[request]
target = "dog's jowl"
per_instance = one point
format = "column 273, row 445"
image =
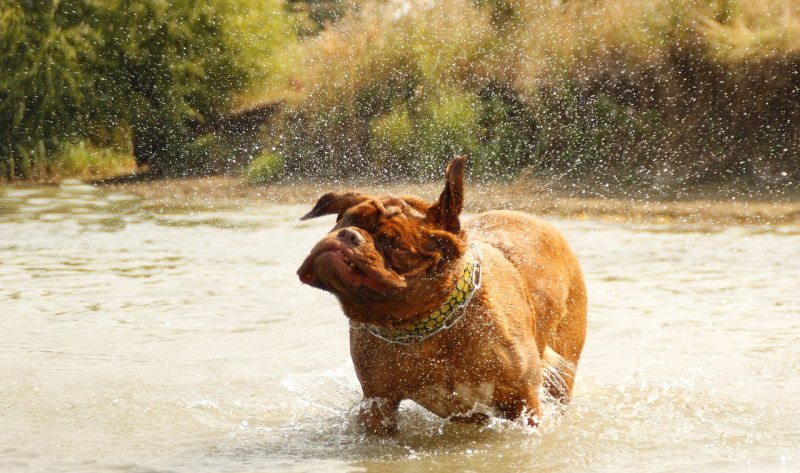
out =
column 465, row 317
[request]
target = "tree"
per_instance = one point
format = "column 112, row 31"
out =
column 85, row 68
column 172, row 65
column 44, row 83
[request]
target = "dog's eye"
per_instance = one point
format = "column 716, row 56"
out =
column 393, row 243
column 396, row 254
column 400, row 249
column 358, row 219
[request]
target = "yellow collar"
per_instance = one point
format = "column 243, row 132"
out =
column 442, row 318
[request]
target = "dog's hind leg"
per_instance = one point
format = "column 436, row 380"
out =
column 561, row 354
column 560, row 333
column 558, row 375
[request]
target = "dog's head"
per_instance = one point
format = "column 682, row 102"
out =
column 388, row 254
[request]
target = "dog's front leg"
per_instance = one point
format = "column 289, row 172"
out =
column 514, row 405
column 378, row 415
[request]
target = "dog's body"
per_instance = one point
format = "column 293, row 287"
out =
column 524, row 327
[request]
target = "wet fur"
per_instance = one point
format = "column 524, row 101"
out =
column 390, row 260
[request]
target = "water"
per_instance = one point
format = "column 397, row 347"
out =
column 149, row 335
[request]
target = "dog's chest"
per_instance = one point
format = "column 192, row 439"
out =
column 459, row 399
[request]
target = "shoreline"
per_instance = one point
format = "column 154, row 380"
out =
column 521, row 195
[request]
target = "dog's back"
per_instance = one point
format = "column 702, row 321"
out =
column 555, row 285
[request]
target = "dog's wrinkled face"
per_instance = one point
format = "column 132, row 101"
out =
column 385, row 248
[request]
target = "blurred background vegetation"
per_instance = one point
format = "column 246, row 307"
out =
column 668, row 94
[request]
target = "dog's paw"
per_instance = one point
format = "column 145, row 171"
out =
column 378, row 416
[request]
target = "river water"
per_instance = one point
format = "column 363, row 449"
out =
column 142, row 336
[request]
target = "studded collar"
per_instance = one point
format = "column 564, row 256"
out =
column 442, row 318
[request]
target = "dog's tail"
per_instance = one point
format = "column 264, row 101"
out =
column 556, row 370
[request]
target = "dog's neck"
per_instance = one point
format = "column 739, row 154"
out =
column 467, row 282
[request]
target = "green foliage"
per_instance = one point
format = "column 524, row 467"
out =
column 448, row 127
column 393, row 139
column 417, row 141
column 576, row 86
column 320, row 13
column 385, row 87
column 261, row 33
column 416, row 138
column 582, row 133
column 80, row 159
column 171, row 65
column 74, row 69
column 43, row 80
column 510, row 137
column 267, row 167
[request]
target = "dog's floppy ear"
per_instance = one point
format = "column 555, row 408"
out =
column 335, row 203
column 446, row 210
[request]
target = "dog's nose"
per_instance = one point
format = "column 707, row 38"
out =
column 350, row 236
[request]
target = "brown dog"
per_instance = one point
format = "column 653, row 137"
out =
column 466, row 320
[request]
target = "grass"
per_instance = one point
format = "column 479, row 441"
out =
column 661, row 92
column 268, row 167
column 84, row 161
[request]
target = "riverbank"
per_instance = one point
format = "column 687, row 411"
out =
column 706, row 208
